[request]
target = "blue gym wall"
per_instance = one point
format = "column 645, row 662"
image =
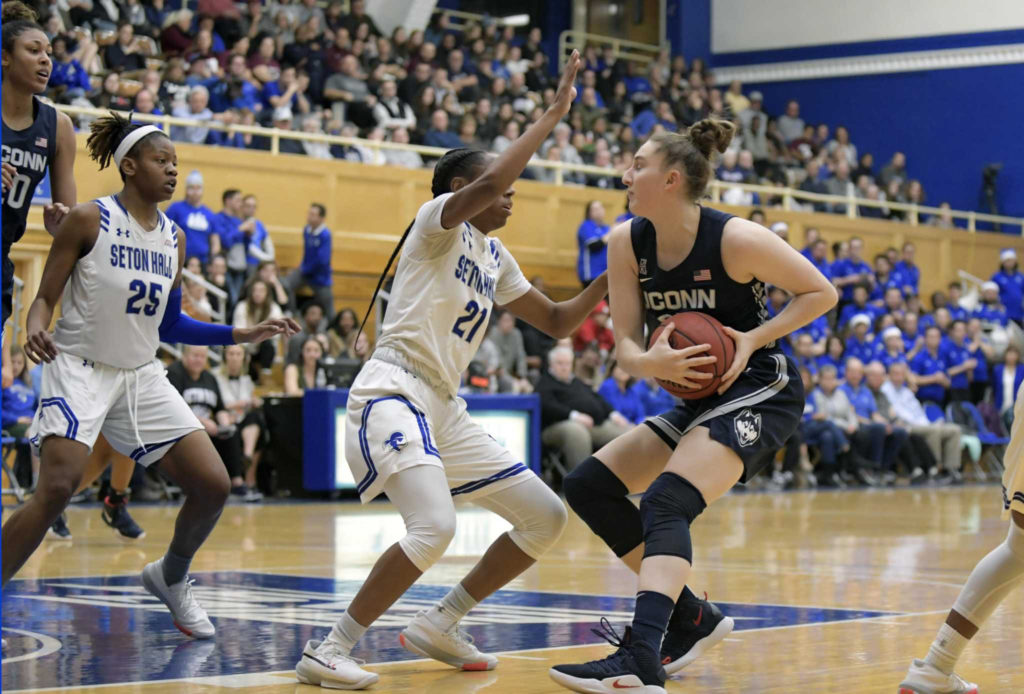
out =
column 950, row 123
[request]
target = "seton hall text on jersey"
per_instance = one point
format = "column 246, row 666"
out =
column 474, row 277
column 679, row 299
column 19, row 158
column 141, row 259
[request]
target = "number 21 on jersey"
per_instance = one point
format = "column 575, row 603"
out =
column 471, row 311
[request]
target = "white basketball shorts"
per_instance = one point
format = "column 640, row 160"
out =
column 1013, row 466
column 138, row 410
column 396, row 421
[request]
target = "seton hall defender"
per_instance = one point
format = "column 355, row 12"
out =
column 408, row 433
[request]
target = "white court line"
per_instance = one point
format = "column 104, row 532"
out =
column 210, row 680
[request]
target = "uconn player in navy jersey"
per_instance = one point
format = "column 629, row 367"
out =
column 35, row 139
column 117, row 260
column 408, row 433
column 675, row 256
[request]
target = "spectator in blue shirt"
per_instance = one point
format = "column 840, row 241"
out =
column 953, row 293
column 892, row 302
column 811, row 235
column 858, row 305
column 1006, row 380
column 1011, row 285
column 592, row 237
column 906, row 272
column 68, row 79
column 817, row 253
column 959, row 362
column 819, row 331
column 259, row 247
column 19, row 399
column 315, row 271
column 233, row 240
column 803, row 353
column 893, row 348
column 648, row 118
column 618, row 390
column 833, row 355
column 879, row 439
column 438, row 135
column 929, row 367
column 848, row 273
column 990, row 310
column 653, row 397
column 860, row 344
column 913, row 336
column 981, row 349
column 817, row 430
column 885, row 279
column 196, row 220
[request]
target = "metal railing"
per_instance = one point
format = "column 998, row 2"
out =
column 851, row 203
column 16, row 306
column 375, row 146
column 621, row 48
column 561, row 169
column 462, row 19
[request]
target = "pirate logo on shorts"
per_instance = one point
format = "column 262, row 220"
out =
column 748, row 427
column 396, row 442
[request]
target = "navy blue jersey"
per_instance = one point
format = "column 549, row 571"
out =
column 700, row 282
column 30, row 151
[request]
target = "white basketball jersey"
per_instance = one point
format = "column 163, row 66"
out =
column 115, row 298
column 445, row 288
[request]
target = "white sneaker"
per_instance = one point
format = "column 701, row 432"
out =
column 925, row 678
column 189, row 617
column 454, row 646
column 324, row 663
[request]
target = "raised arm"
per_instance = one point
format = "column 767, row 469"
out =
column 502, row 172
column 559, row 318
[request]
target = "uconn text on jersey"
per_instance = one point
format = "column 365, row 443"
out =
column 679, row 299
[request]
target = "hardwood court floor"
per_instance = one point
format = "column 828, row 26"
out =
column 832, row 591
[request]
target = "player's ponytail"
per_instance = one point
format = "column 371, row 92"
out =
column 454, row 163
column 107, row 132
column 693, row 150
column 17, row 18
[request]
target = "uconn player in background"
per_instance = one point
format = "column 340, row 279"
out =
column 37, row 139
column 679, row 255
column 117, row 260
column 408, row 434
column 999, row 573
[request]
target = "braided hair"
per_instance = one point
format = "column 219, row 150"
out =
column 454, row 163
column 107, row 132
column 17, row 19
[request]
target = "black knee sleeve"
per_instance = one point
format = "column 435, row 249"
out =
column 599, row 498
column 667, row 509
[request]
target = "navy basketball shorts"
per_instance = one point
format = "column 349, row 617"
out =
column 754, row 418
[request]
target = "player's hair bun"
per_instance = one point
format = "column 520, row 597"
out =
column 711, row 134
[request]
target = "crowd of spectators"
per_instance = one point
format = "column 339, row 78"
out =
column 296, row 66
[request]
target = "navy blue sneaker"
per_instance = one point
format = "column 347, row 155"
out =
column 633, row 666
column 695, row 627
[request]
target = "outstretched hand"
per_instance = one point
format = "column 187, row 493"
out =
column 267, row 329
column 566, row 93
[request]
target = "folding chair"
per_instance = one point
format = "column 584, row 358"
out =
column 15, row 489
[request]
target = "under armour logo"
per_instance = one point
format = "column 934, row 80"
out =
column 122, row 232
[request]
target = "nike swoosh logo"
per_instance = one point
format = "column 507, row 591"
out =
column 616, row 685
column 700, row 615
column 646, row 279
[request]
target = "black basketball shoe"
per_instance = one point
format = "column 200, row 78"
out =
column 633, row 666
column 694, row 628
column 117, row 517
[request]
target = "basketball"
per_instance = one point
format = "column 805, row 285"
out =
column 695, row 328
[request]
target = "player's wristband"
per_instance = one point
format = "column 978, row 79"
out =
column 178, row 327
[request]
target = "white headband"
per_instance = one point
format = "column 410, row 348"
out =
column 133, row 137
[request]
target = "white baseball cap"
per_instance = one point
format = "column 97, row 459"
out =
column 860, row 318
column 1007, row 254
column 990, row 285
column 891, row 331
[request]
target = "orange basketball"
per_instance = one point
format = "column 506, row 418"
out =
column 695, row 328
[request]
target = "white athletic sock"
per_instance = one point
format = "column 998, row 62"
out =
column 946, row 649
column 452, row 608
column 346, row 632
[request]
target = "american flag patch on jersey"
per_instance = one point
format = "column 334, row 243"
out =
column 41, row 142
column 702, row 276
